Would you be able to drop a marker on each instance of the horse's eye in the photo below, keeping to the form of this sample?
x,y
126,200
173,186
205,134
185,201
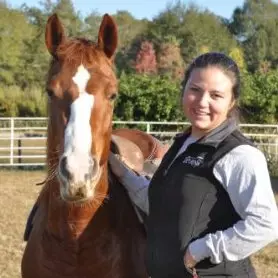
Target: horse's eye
x,y
50,93
113,96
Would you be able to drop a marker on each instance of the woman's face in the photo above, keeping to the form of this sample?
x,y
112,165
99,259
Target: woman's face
x,y
207,99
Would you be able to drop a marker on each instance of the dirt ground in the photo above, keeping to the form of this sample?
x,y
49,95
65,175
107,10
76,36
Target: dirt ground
x,y
18,192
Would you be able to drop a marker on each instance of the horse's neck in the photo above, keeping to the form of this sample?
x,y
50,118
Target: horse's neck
x,y
69,221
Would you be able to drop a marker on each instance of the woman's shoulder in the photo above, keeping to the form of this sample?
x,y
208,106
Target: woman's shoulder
x,y
243,167
246,150
243,158
238,136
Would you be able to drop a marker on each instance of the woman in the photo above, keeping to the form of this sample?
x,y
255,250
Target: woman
x,y
210,204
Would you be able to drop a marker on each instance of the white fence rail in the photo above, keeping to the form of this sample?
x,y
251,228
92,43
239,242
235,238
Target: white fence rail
x,y
23,140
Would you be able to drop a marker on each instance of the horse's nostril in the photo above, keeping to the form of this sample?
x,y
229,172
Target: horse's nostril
x,y
64,168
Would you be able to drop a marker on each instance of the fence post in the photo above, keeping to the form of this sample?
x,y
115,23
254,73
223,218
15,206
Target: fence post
x,y
12,143
148,127
276,145
276,148
19,151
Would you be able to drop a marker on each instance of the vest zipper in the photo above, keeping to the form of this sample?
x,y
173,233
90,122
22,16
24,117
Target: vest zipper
x,y
172,162
167,169
175,158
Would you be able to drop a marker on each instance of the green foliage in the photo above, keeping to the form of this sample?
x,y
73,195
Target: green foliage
x,y
260,97
71,20
237,55
34,56
204,29
131,35
193,28
14,31
255,26
179,33
91,25
128,27
149,98
15,102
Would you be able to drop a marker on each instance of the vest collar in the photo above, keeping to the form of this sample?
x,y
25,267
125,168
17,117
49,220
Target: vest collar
x,y
215,137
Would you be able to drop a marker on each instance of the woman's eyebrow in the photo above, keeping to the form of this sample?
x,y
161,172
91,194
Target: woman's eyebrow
x,y
217,91
211,91
195,85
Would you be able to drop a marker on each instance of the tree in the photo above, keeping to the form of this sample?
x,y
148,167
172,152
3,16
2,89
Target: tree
x,y
130,37
14,31
128,27
204,29
255,26
146,59
70,18
34,57
91,26
236,53
194,28
169,59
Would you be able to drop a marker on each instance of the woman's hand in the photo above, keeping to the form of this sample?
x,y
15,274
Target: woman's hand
x,y
189,263
188,259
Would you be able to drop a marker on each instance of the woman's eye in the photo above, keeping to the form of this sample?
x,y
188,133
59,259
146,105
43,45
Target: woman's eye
x,y
195,89
216,96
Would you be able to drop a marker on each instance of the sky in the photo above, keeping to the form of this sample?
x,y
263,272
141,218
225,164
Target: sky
x,y
139,8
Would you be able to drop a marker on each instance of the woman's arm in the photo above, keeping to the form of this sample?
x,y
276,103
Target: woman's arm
x,y
243,173
136,186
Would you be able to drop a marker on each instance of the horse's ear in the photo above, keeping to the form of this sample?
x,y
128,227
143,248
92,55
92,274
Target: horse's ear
x,y
54,34
108,36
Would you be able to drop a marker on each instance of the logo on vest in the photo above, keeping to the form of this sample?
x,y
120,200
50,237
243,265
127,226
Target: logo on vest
x,y
194,161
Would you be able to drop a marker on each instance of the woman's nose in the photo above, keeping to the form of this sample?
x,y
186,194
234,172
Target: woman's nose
x,y
203,100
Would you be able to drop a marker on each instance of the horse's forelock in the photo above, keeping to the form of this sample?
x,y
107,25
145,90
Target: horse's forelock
x,y
79,51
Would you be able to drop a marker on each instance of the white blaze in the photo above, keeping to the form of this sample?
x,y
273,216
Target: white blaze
x,y
78,137
81,78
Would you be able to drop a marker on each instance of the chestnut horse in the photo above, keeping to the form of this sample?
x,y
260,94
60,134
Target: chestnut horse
x,y
85,225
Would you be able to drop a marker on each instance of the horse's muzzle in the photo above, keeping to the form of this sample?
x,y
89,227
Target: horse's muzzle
x,y
78,176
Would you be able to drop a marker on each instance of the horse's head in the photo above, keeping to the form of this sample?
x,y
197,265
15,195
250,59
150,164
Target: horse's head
x,y
81,86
